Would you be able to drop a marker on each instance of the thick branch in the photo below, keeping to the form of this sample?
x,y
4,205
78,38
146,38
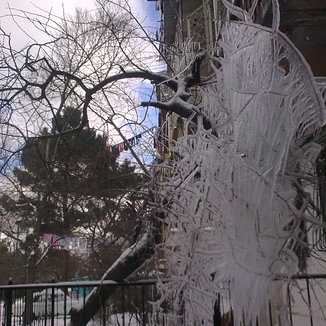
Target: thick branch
x,y
153,77
178,104
130,260
181,108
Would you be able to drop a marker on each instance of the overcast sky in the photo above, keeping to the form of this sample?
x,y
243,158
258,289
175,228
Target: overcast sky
x,y
142,8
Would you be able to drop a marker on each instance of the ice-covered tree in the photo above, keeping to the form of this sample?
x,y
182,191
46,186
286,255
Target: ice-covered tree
x,y
238,192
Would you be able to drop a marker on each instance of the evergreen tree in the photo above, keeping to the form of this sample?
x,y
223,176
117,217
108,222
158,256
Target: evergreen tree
x,y
70,184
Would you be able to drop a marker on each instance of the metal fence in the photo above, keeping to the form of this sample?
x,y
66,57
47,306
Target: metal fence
x,y
302,303
50,304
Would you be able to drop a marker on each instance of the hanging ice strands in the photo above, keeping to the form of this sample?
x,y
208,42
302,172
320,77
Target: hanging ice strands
x,y
235,221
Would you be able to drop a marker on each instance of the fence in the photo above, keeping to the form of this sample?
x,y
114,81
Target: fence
x,y
50,304
303,303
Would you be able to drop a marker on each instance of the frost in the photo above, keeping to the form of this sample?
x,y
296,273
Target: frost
x,y
234,189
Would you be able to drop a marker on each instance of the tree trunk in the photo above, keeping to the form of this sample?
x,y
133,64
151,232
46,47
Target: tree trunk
x,y
129,261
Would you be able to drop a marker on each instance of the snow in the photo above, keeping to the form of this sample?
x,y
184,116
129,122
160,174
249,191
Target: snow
x,y
301,313
132,250
130,320
232,191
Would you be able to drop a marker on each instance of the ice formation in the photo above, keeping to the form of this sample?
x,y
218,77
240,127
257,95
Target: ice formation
x,y
235,213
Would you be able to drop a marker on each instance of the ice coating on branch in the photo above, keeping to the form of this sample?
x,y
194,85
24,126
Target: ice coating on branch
x,y
235,215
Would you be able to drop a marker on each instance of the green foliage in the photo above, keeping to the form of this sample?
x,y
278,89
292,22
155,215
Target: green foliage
x,y
8,263
70,183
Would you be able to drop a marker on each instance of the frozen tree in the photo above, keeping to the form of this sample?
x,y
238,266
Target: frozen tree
x,y
235,196
87,63
238,190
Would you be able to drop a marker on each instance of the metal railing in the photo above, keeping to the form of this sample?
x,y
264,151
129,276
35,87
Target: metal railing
x,y
301,303
50,304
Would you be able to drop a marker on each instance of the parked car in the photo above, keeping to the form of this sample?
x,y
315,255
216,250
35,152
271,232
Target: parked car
x,y
44,301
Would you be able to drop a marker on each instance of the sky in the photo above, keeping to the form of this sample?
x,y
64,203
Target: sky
x,y
143,9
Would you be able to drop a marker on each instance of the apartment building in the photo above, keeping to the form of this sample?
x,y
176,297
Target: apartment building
x,y
188,28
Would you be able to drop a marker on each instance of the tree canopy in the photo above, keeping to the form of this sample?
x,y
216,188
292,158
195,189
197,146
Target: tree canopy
x,y
72,185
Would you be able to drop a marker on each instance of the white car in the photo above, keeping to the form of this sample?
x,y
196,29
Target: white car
x,y
44,301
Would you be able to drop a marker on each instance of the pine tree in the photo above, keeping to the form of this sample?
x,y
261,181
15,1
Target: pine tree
x,y
69,184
